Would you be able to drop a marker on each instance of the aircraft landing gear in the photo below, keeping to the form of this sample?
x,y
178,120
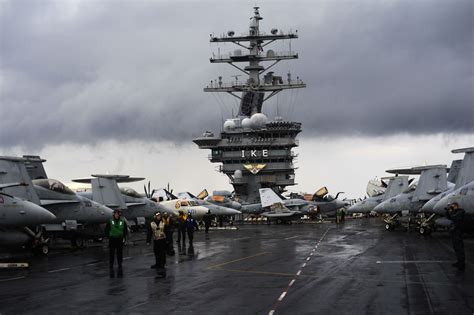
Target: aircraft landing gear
x,y
426,227
390,222
78,241
425,230
39,244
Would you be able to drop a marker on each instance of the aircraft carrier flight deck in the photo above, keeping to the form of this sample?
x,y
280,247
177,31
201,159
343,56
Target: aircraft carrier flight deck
x,y
354,268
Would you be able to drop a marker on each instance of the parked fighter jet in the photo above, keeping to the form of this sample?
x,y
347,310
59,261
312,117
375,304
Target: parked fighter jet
x,y
460,173
105,190
175,205
432,181
17,221
215,209
76,217
396,184
462,193
221,198
318,205
274,208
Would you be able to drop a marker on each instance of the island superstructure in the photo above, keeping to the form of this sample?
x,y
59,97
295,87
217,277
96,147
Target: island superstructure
x,y
254,152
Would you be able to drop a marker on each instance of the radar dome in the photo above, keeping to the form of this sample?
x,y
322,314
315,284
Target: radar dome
x,y
237,174
258,120
229,125
246,123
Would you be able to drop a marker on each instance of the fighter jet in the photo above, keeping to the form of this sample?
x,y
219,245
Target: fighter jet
x,y
215,209
319,203
396,184
17,221
432,181
76,217
221,198
105,190
462,192
176,205
274,208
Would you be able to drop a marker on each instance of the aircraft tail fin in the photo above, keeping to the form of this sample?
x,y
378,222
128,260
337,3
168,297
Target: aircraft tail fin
x,y
107,192
34,166
396,185
433,181
268,197
13,170
454,171
466,173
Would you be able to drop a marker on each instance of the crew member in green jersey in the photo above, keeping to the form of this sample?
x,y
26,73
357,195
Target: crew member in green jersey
x,y
116,230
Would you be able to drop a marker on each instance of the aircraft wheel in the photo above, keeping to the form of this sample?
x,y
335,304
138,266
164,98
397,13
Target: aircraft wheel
x,y
290,222
43,249
424,230
78,242
278,221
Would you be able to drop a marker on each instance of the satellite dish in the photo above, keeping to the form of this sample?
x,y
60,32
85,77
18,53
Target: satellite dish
x,y
230,33
274,31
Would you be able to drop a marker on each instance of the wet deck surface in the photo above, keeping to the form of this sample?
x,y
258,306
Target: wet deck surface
x,y
356,268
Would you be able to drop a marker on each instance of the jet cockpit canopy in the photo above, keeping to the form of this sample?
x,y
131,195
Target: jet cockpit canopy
x,y
127,191
53,185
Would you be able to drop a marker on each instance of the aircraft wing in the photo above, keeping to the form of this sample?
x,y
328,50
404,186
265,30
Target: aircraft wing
x,y
47,202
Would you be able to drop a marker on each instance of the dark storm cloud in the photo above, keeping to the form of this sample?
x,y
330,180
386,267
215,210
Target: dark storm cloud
x,y
90,71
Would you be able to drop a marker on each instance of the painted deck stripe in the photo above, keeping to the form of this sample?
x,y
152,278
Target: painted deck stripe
x,y
10,279
282,296
58,270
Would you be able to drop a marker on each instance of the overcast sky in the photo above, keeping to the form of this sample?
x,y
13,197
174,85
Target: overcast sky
x,y
121,82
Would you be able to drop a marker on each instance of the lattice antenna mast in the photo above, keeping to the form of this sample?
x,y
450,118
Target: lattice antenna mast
x,y
254,89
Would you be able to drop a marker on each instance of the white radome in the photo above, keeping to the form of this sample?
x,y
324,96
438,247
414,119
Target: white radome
x,y
238,174
258,120
229,125
246,123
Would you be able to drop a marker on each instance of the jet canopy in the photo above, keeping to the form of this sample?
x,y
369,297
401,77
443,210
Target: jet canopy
x,y
127,191
53,185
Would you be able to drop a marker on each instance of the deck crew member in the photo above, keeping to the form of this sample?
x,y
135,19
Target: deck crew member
x,y
169,229
116,230
191,226
207,218
457,215
156,231
181,226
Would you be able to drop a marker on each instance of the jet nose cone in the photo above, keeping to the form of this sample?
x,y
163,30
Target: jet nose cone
x,y
236,205
428,207
381,208
440,207
46,216
105,211
38,215
233,212
354,209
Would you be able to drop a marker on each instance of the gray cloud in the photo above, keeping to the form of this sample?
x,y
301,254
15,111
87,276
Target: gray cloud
x,y
99,70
